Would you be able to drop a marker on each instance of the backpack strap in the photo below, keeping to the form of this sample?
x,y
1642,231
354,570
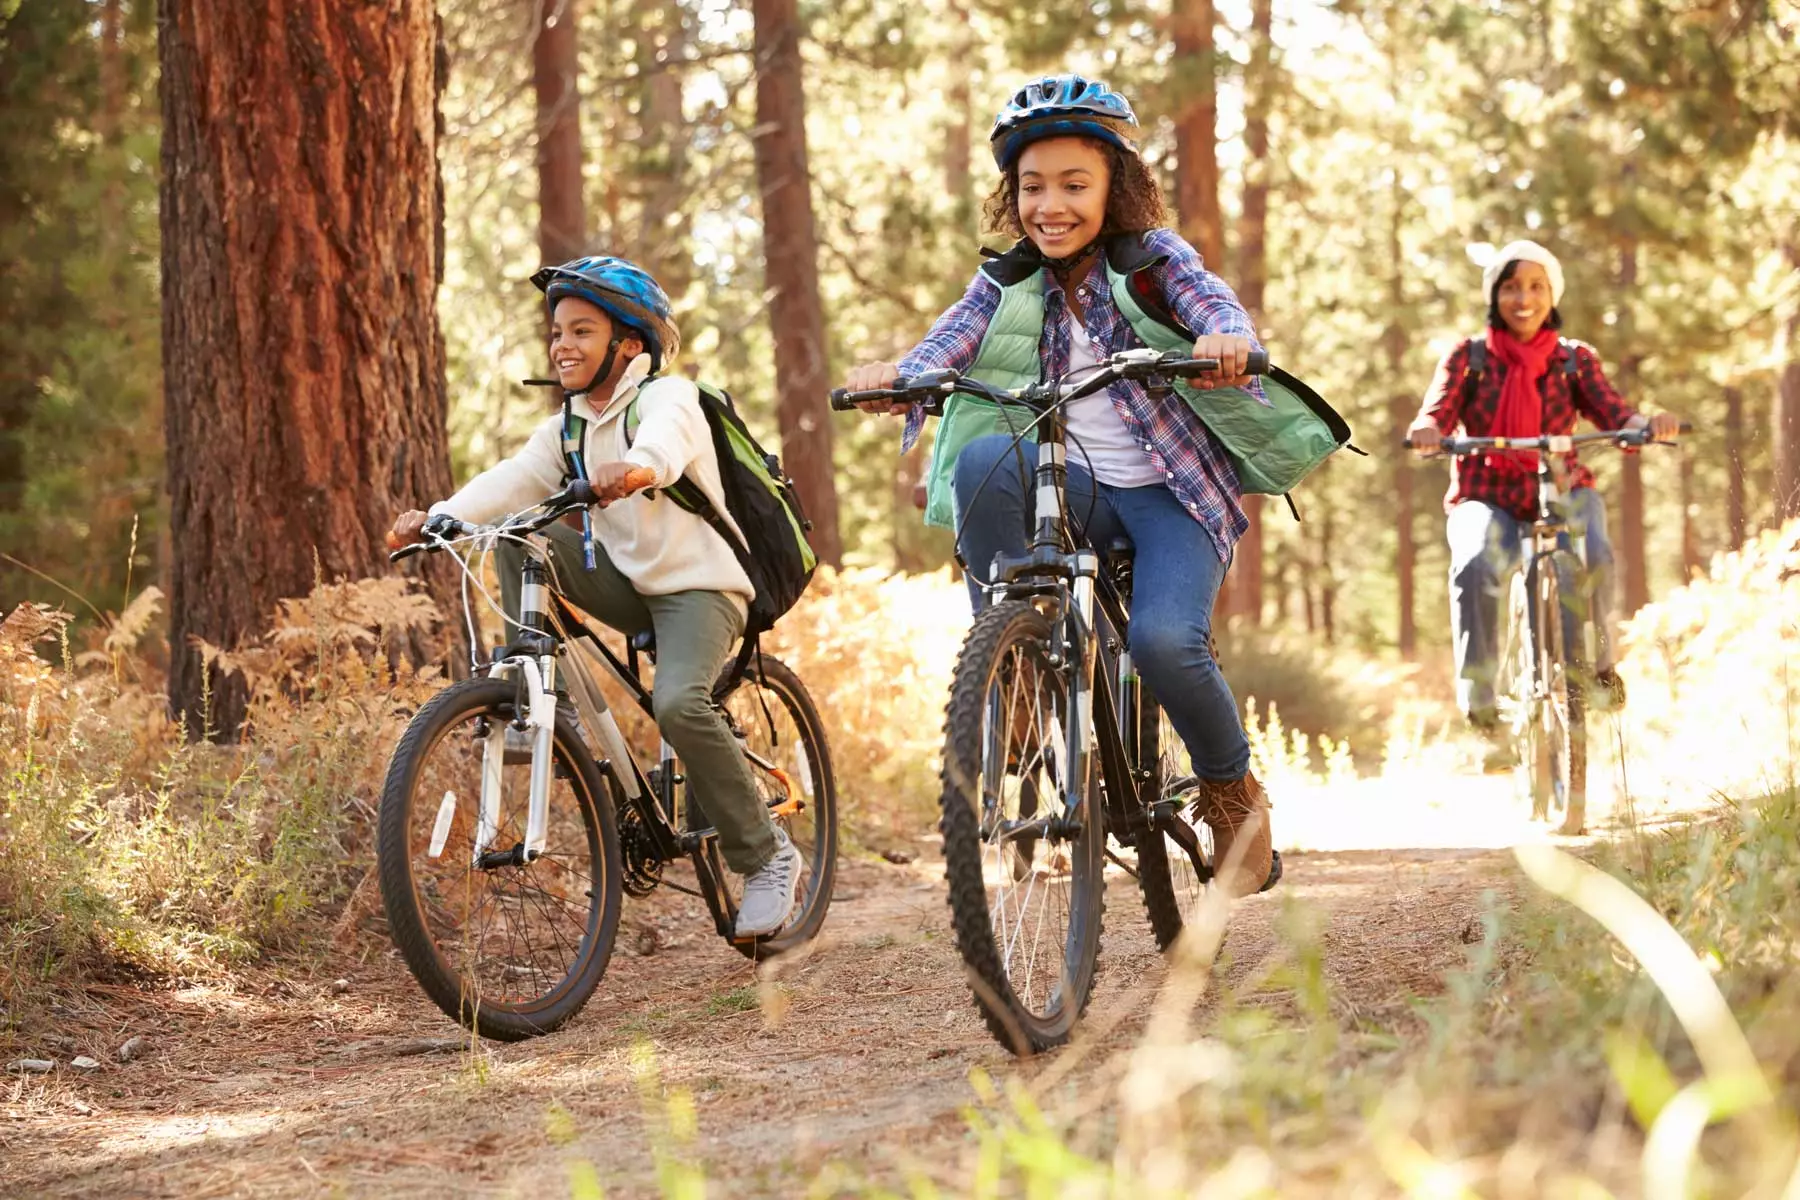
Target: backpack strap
x,y
574,441
1570,364
1474,369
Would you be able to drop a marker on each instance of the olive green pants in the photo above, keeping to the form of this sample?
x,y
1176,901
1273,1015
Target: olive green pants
x,y
695,631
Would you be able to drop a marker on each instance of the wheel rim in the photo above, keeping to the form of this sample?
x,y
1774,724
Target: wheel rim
x,y
518,938
791,781
1029,877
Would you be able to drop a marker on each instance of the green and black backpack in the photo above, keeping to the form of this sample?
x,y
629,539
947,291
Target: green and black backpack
x,y
759,496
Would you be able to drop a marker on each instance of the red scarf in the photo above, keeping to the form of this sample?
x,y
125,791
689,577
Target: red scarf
x,y
1521,410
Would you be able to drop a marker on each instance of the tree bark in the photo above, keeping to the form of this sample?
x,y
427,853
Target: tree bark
x,y
1400,409
1196,132
790,249
959,138
1252,273
662,154
562,210
1690,544
301,251
1736,523
1787,414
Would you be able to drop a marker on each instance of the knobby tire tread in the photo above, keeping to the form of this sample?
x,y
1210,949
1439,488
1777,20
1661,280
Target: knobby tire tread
x,y
963,720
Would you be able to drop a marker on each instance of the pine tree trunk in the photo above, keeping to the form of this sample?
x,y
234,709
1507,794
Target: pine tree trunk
x,y
1196,132
1690,544
304,373
790,249
562,211
662,151
1401,410
1252,272
1736,524
959,138
1787,414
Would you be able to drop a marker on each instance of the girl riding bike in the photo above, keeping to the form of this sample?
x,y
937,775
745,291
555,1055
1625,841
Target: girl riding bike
x,y
1518,380
1087,210
657,567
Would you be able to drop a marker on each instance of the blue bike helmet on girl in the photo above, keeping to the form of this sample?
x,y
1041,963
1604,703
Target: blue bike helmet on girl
x,y
1061,106
625,292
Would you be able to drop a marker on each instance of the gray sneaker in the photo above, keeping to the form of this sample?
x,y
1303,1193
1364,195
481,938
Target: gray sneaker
x,y
769,894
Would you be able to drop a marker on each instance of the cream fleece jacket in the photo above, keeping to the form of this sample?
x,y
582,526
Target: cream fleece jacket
x,y
659,546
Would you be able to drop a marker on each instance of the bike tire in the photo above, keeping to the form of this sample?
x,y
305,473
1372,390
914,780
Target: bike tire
x,y
1560,767
1025,1011
809,758
472,1001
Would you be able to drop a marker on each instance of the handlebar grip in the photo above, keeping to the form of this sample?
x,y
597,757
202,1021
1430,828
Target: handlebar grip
x,y
1686,427
639,478
840,400
408,551
1258,364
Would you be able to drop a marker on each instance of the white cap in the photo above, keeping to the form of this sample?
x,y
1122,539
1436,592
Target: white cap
x,y
1523,252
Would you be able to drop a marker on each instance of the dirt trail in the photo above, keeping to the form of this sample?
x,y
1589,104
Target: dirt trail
x,y
285,1086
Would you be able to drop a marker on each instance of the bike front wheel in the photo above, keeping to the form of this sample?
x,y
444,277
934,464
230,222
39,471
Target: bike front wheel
x,y
1559,763
1023,841
509,948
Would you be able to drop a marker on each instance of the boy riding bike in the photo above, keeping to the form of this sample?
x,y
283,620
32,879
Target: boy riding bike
x,y
1086,209
656,566
1518,380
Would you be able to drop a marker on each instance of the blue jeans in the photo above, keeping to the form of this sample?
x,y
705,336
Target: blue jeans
x,y
1176,577
1484,550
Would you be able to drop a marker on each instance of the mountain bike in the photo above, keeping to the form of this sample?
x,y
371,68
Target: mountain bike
x,y
1549,642
502,866
1051,742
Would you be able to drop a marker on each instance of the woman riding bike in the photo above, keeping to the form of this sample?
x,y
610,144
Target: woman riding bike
x,y
1519,379
1075,193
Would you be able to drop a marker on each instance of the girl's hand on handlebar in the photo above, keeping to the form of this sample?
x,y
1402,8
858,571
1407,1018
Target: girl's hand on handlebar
x,y
408,528
1233,353
617,480
871,376
1425,440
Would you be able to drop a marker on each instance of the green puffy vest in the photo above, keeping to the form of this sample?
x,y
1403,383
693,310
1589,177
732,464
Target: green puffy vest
x,y
1273,446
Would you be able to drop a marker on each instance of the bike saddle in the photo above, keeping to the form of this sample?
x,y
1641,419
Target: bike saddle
x,y
1120,550
644,641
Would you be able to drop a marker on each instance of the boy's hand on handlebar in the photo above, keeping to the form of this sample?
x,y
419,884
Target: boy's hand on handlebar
x,y
616,480
1233,353
871,376
409,527
1425,440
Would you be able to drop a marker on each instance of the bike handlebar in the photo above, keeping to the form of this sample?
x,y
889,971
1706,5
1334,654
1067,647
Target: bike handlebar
x,y
1553,443
932,388
441,529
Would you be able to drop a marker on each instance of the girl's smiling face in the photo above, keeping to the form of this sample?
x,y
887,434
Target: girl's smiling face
x,y
1524,300
1063,186
580,332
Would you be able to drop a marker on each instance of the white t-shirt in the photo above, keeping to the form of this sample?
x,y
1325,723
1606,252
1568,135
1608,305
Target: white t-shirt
x,y
1099,439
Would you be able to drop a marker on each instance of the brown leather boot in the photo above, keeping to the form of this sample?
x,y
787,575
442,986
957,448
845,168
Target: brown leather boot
x,y
1237,811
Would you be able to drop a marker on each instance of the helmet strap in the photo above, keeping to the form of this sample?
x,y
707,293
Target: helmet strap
x,y
606,366
1063,266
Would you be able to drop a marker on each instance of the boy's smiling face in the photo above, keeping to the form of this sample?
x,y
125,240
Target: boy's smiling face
x,y
1063,184
580,332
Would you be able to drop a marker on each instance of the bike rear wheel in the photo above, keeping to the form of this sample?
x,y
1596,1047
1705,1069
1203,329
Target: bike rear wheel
x,y
509,949
1023,841
791,763
1171,886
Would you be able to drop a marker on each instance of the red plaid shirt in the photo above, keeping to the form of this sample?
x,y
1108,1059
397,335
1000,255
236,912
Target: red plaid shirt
x,y
1474,478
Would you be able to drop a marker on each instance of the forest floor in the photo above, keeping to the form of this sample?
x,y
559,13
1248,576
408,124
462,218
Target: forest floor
x,y
340,1079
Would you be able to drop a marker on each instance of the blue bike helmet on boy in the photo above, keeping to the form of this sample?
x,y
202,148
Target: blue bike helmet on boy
x,y
1062,106
625,292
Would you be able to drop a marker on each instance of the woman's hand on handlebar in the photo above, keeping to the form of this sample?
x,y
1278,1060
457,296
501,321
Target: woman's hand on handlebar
x,y
1425,439
872,376
1664,426
1233,353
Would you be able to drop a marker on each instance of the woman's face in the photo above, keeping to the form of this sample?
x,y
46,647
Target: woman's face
x,y
1063,186
1524,300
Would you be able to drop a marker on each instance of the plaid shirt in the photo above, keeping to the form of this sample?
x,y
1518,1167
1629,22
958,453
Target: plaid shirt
x,y
1177,442
1475,478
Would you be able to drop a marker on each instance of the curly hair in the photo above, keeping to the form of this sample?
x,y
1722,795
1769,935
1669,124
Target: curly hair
x,y
1134,200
